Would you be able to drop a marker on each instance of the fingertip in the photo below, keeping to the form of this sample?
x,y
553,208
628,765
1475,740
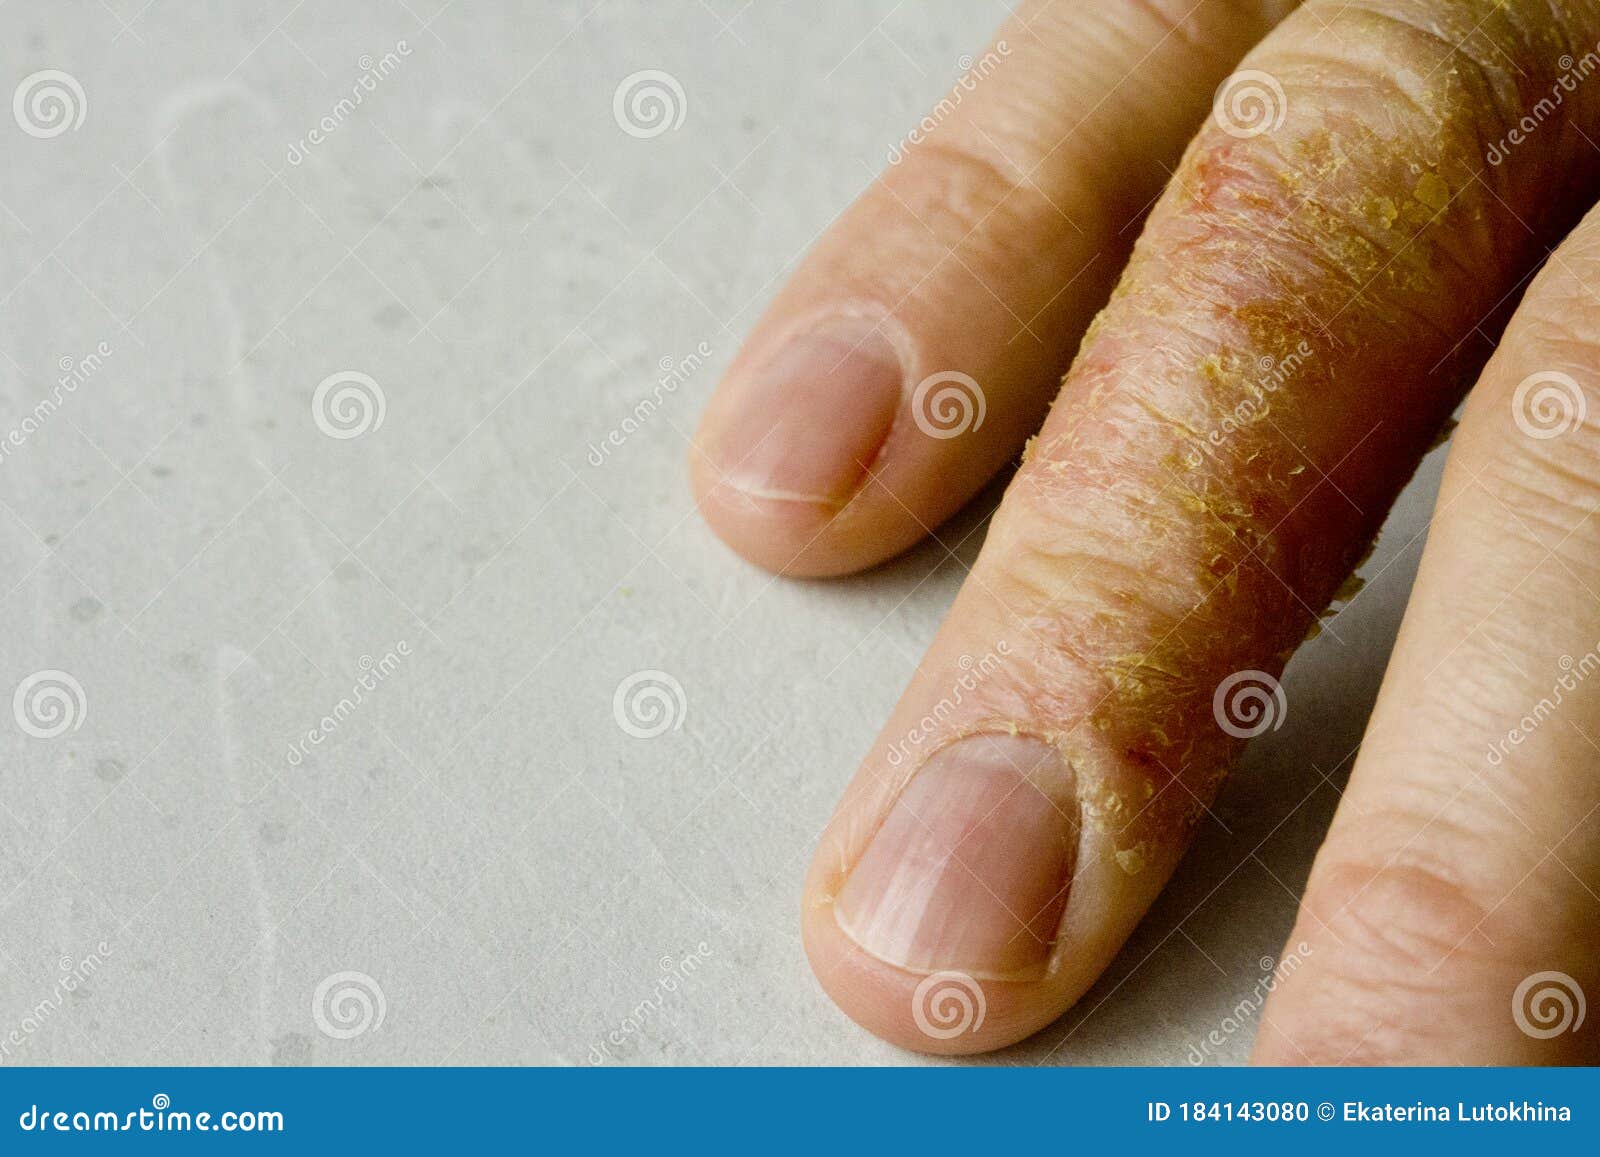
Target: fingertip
x,y
932,912
989,913
790,534
773,532
946,1013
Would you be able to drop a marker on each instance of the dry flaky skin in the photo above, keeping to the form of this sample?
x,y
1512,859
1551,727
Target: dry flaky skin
x,y
1296,324
1211,473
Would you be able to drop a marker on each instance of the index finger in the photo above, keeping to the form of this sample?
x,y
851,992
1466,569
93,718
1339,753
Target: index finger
x,y
917,346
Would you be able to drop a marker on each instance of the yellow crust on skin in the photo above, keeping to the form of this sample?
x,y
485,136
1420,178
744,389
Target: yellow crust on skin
x,y
1191,482
1132,860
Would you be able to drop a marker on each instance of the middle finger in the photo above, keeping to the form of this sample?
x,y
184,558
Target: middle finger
x,y
1296,322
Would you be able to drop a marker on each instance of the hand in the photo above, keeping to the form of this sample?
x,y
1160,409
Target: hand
x,y
1331,262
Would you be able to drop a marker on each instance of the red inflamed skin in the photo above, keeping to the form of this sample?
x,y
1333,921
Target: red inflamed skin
x,y
1356,224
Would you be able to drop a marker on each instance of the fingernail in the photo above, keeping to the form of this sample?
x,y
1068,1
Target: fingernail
x,y
971,868
812,417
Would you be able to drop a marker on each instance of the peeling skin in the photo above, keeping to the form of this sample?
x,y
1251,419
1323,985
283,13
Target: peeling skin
x,y
1209,519
1179,519
1131,860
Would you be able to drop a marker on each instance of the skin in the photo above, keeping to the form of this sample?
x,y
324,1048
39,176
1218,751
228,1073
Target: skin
x,y
1308,300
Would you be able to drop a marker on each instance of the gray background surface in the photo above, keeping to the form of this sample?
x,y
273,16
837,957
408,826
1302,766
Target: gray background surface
x,y
514,877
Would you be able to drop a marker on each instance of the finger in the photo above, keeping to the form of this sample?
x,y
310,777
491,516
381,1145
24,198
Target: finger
x,y
1295,325
918,345
1451,914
